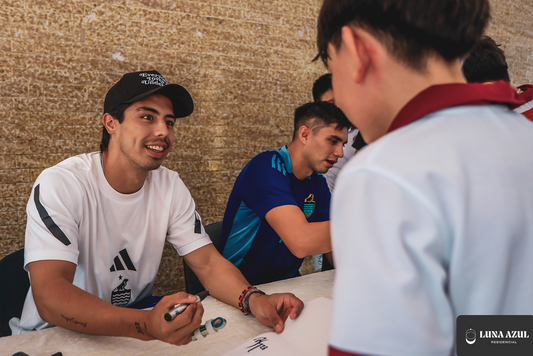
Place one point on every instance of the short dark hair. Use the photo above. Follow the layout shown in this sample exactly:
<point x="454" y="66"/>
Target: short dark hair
<point x="486" y="63"/>
<point x="408" y="29"/>
<point x="321" y="113"/>
<point x="118" y="114"/>
<point x="321" y="85"/>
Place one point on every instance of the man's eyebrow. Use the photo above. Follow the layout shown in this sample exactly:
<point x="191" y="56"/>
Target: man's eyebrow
<point x="337" y="138"/>
<point x="146" y="108"/>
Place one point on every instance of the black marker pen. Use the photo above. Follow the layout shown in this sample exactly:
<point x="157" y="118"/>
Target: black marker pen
<point x="178" y="309"/>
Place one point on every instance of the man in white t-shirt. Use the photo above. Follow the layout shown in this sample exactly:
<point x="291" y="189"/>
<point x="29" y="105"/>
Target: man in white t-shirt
<point x="434" y="218"/>
<point x="97" y="224"/>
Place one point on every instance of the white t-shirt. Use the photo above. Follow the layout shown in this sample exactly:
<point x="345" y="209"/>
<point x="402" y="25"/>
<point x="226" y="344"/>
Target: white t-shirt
<point x="432" y="221"/>
<point x="116" y="240"/>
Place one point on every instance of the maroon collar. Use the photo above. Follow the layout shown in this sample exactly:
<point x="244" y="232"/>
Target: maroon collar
<point x="438" y="97"/>
<point x="527" y="92"/>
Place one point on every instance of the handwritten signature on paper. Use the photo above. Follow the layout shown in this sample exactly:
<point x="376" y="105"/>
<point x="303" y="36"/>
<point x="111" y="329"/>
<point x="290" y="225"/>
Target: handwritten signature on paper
<point x="258" y="343"/>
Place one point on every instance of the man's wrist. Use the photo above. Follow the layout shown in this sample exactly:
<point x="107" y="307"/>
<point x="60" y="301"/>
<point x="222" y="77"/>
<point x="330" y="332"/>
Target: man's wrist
<point x="251" y="301"/>
<point x="244" y="299"/>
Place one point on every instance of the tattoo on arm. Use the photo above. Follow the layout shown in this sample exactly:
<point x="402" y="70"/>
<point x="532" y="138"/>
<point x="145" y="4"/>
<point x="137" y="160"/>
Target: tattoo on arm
<point x="75" y="322"/>
<point x="146" y="330"/>
<point x="138" y="326"/>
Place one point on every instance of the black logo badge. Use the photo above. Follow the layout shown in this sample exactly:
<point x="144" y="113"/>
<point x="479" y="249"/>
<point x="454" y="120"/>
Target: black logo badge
<point x="494" y="335"/>
<point x="121" y="296"/>
<point x="119" y="266"/>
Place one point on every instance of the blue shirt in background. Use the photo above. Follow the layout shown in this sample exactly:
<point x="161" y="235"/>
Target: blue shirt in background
<point x="247" y="239"/>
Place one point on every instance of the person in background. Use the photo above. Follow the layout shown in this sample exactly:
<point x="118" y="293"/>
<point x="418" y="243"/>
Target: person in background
<point x="434" y="219"/>
<point x="486" y="63"/>
<point x="278" y="210"/>
<point x="98" y="222"/>
<point x="323" y="91"/>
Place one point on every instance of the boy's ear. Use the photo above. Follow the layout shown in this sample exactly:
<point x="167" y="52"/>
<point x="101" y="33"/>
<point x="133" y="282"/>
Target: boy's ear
<point x="358" y="46"/>
<point x="109" y="123"/>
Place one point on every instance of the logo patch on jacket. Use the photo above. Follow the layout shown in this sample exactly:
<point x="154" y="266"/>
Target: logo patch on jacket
<point x="121" y="296"/>
<point x="309" y="205"/>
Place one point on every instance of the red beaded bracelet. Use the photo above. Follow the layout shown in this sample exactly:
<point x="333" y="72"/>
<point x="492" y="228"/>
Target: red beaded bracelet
<point x="243" y="299"/>
<point x="242" y="296"/>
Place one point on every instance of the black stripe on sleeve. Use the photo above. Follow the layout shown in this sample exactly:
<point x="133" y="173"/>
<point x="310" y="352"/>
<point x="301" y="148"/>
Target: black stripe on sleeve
<point x="197" y="224"/>
<point x="127" y="260"/>
<point x="47" y="220"/>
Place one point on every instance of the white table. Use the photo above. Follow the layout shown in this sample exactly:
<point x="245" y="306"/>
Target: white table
<point x="239" y="329"/>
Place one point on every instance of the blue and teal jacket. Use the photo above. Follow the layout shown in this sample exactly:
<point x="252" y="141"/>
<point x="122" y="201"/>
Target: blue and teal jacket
<point x="247" y="240"/>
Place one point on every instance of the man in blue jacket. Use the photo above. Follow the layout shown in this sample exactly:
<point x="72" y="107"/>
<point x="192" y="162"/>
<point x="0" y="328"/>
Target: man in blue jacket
<point x="278" y="211"/>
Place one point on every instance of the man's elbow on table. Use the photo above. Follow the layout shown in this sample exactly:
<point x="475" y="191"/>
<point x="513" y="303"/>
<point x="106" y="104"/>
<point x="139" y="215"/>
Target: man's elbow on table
<point x="43" y="310"/>
<point x="51" y="286"/>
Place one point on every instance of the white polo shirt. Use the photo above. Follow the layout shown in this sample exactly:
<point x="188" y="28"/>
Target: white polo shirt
<point x="432" y="221"/>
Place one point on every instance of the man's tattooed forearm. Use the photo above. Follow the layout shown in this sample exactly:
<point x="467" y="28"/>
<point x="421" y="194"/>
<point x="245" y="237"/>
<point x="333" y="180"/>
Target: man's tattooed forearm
<point x="138" y="326"/>
<point x="72" y="321"/>
<point x="146" y="330"/>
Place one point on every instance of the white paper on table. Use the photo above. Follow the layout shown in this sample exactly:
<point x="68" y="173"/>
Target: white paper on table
<point x="306" y="336"/>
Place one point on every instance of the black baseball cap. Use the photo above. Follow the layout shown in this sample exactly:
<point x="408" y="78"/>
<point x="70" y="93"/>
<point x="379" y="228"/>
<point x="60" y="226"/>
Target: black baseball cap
<point x="136" y="86"/>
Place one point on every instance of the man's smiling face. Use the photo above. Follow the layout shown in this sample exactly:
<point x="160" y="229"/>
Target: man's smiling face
<point x="146" y="134"/>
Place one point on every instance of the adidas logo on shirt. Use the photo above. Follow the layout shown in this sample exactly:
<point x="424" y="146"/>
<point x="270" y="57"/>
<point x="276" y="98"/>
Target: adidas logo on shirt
<point x="277" y="163"/>
<point x="122" y="262"/>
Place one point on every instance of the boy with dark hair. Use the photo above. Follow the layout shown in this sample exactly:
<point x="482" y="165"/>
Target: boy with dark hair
<point x="422" y="213"/>
<point x="487" y="63"/>
<point x="322" y="89"/>
<point x="278" y="211"/>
